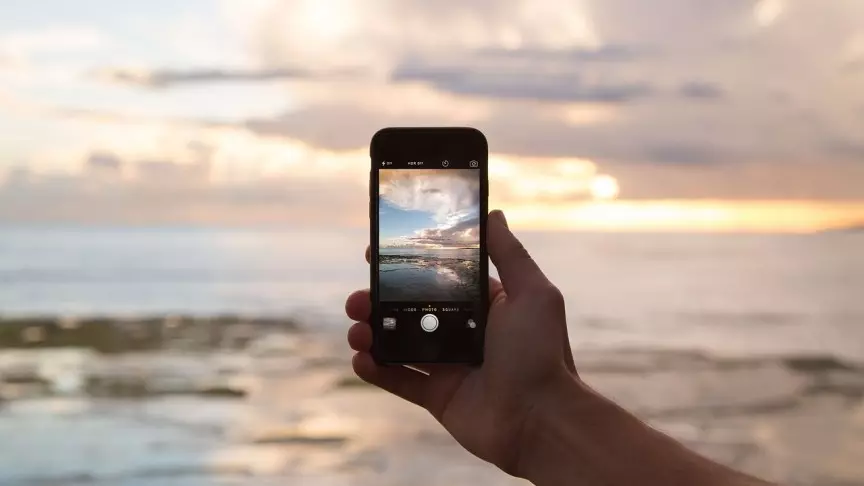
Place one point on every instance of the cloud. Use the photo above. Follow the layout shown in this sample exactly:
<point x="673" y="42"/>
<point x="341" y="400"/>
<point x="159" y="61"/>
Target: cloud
<point x="852" y="54"/>
<point x="518" y="69"/>
<point x="449" y="195"/>
<point x="464" y="233"/>
<point x="701" y="90"/>
<point x="743" y="181"/>
<point x="592" y="54"/>
<point x="332" y="126"/>
<point x="381" y="33"/>
<point x="170" y="78"/>
<point x="678" y="85"/>
<point x="649" y="132"/>
<point x="853" y="65"/>
<point x="682" y="153"/>
<point x="767" y="12"/>
<point x="520" y="82"/>
<point x="853" y="149"/>
<point x="103" y="163"/>
<point x="648" y="92"/>
<point x="112" y="191"/>
<point x="56" y="39"/>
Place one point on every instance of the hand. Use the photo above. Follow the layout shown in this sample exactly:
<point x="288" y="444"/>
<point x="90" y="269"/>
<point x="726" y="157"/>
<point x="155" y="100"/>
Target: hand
<point x="527" y="358"/>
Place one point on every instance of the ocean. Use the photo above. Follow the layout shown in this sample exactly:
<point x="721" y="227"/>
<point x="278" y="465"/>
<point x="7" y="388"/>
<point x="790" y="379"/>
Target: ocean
<point x="748" y="348"/>
<point x="729" y="293"/>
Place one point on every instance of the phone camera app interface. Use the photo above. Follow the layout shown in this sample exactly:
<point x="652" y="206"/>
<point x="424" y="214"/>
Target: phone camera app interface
<point x="429" y="252"/>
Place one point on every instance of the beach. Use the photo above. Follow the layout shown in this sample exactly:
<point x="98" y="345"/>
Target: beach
<point x="199" y="358"/>
<point x="287" y="408"/>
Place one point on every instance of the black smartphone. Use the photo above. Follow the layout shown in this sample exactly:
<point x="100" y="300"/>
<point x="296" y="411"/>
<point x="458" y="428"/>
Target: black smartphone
<point x="428" y="198"/>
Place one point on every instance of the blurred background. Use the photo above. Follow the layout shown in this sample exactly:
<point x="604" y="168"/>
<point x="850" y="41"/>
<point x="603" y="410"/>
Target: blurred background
<point x="183" y="210"/>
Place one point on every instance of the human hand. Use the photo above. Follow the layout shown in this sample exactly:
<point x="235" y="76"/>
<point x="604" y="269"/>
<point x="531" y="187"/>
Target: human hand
<point x="527" y="358"/>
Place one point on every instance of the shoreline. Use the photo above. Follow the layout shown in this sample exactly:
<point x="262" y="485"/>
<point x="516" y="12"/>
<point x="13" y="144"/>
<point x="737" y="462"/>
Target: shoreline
<point x="158" y="332"/>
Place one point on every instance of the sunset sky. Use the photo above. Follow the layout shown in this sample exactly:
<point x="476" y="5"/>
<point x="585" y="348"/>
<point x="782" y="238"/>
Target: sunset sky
<point x="710" y="115"/>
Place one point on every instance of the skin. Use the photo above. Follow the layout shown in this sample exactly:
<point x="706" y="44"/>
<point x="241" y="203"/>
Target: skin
<point x="526" y="410"/>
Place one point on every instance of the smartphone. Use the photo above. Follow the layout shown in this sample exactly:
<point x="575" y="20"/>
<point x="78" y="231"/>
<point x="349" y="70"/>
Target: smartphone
<point x="428" y="198"/>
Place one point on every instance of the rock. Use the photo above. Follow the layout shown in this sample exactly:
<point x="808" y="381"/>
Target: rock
<point x="117" y="386"/>
<point x="810" y="364"/>
<point x="222" y="391"/>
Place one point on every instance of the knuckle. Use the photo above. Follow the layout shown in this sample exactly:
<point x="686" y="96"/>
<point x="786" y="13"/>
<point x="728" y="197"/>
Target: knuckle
<point x="556" y="296"/>
<point x="549" y="294"/>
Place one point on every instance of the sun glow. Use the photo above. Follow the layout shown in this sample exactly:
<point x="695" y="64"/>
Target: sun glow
<point x="604" y="187"/>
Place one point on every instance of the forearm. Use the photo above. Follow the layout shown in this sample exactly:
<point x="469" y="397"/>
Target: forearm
<point x="577" y="437"/>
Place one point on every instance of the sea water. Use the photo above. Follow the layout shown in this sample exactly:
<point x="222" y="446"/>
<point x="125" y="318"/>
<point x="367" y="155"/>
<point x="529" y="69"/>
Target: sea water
<point x="732" y="294"/>
<point x="739" y="293"/>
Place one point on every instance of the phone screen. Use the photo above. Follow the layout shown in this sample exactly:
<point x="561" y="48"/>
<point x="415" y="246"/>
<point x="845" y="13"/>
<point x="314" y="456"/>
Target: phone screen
<point x="429" y="260"/>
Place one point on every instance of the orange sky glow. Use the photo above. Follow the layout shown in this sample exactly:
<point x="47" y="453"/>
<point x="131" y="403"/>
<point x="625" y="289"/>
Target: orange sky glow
<point x="688" y="216"/>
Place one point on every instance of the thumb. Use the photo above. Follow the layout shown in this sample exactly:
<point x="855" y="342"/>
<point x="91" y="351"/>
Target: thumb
<point x="518" y="271"/>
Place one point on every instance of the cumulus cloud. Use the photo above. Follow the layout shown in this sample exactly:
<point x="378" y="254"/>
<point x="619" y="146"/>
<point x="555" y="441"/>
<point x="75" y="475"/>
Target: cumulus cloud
<point x="449" y="195"/>
<point x="681" y="84"/>
<point x="464" y="233"/>
<point x="381" y="33"/>
<point x="685" y="85"/>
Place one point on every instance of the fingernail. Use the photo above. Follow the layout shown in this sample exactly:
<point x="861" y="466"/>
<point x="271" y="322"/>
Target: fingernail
<point x="500" y="215"/>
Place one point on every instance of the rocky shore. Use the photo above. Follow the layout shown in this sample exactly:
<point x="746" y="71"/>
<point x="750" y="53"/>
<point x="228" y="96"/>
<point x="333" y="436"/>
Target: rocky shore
<point x="120" y="335"/>
<point x="285" y="406"/>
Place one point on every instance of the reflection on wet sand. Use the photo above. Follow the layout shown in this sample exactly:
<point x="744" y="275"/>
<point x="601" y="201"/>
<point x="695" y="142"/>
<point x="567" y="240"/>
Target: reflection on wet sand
<point x="429" y="277"/>
<point x="297" y="414"/>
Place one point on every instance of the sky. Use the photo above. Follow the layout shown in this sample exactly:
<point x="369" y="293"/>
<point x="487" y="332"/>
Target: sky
<point x="709" y="115"/>
<point x="429" y="208"/>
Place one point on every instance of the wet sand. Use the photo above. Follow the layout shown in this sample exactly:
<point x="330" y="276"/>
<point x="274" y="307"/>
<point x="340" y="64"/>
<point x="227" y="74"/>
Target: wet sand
<point x="296" y="413"/>
<point x="406" y="278"/>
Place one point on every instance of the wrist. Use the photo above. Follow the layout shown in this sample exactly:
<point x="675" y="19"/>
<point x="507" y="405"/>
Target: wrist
<point x="539" y="439"/>
<point x="573" y="435"/>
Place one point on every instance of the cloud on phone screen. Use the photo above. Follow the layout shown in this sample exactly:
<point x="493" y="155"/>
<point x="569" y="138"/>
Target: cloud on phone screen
<point x="437" y="208"/>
